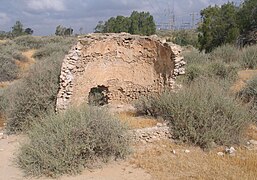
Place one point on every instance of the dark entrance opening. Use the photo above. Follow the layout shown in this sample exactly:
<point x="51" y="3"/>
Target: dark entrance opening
<point x="98" y="96"/>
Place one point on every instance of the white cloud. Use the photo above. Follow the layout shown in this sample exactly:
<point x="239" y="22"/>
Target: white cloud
<point x="4" y="18"/>
<point x="55" y="5"/>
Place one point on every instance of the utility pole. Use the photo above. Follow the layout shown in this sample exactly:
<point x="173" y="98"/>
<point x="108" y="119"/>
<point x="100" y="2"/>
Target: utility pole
<point x="167" y="17"/>
<point x="193" y="14"/>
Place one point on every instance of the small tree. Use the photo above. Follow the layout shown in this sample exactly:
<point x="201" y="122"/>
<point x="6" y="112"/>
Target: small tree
<point x="247" y="15"/>
<point x="100" y="27"/>
<point x="219" y="26"/>
<point x="63" y="31"/>
<point x="29" y="31"/>
<point x="17" y="29"/>
<point x="142" y="23"/>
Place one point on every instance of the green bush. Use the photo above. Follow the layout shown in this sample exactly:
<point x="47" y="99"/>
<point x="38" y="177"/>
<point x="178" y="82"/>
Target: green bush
<point x="194" y="72"/>
<point x="249" y="57"/>
<point x="202" y="113"/>
<point x="68" y="143"/>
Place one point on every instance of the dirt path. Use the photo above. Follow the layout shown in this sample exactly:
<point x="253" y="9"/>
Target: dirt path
<point x="122" y="170"/>
<point x="8" y="147"/>
<point x="158" y="160"/>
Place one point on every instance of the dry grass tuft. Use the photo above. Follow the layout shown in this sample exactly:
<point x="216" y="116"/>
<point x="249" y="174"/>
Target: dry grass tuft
<point x="243" y="77"/>
<point x="251" y="132"/>
<point x="24" y="66"/>
<point x="136" y="122"/>
<point x="158" y="160"/>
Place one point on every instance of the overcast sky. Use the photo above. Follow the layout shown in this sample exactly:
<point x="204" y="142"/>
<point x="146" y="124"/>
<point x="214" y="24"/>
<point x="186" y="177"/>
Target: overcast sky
<point x="44" y="15"/>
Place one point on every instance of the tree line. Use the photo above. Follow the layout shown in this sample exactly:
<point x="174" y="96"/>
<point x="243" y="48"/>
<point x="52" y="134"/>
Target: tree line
<point x="138" y="23"/>
<point x="19" y="30"/>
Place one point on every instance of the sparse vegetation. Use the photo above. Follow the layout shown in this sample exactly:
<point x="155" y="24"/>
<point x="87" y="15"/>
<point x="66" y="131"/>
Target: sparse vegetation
<point x="249" y="57"/>
<point x="201" y="113"/>
<point x="185" y="38"/>
<point x="162" y="164"/>
<point x="222" y="70"/>
<point x="68" y="143"/>
<point x="213" y="65"/>
<point x="52" y="48"/>
<point x="226" y="53"/>
<point x="35" y="94"/>
<point x="249" y="93"/>
<point x="8" y="69"/>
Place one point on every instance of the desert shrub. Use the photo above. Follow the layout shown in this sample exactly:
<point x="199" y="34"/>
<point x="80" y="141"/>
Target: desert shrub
<point x="55" y="44"/>
<point x="146" y="105"/>
<point x="196" y="57"/>
<point x="33" y="42"/>
<point x="180" y="37"/>
<point x="33" y="95"/>
<point x="185" y="38"/>
<point x="48" y="50"/>
<point x="202" y="113"/>
<point x="193" y="72"/>
<point x="164" y="33"/>
<point x="18" y="56"/>
<point x="67" y="143"/>
<point x="8" y="68"/>
<point x="29" y="42"/>
<point x="226" y="53"/>
<point x="249" y="57"/>
<point x="203" y="65"/>
<point x="249" y="93"/>
<point x="222" y="70"/>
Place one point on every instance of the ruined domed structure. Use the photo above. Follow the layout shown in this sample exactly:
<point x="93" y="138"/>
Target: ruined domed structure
<point x="117" y="69"/>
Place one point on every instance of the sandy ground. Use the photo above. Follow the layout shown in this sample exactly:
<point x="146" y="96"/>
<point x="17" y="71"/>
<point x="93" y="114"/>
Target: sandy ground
<point x="115" y="171"/>
<point x="8" y="147"/>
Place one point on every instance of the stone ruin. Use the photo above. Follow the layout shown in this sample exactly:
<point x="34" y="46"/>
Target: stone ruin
<point x="117" y="69"/>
